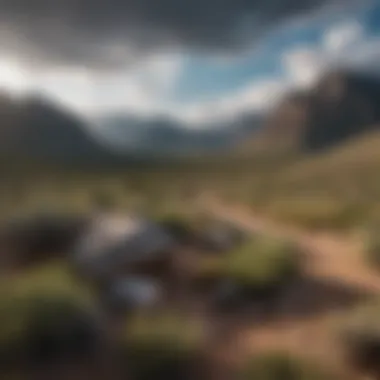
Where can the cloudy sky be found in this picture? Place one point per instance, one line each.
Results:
(195, 60)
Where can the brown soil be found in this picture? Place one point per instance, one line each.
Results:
(336, 279)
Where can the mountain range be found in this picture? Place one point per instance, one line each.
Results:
(164, 135)
(341, 105)
(35, 127)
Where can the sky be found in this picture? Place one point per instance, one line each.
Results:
(200, 62)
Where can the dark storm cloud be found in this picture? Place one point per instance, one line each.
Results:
(105, 31)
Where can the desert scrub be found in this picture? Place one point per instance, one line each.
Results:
(359, 335)
(44, 314)
(281, 366)
(164, 345)
(263, 263)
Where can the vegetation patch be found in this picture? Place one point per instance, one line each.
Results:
(314, 212)
(178, 225)
(164, 345)
(263, 263)
(44, 314)
(281, 366)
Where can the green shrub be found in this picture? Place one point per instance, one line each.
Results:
(39, 311)
(280, 366)
(180, 226)
(262, 263)
(162, 346)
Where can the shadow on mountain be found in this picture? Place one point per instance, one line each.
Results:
(342, 105)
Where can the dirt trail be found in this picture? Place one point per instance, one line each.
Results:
(329, 256)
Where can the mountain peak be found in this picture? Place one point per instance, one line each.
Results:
(342, 104)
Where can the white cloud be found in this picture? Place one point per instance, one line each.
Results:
(144, 88)
(256, 96)
(12, 76)
(141, 88)
(343, 36)
(343, 45)
(303, 65)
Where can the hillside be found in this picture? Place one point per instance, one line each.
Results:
(36, 129)
(341, 105)
(337, 188)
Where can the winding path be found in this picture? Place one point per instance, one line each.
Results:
(330, 258)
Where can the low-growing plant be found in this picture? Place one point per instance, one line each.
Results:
(281, 366)
(264, 263)
(178, 225)
(162, 346)
(44, 314)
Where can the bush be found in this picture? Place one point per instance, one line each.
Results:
(279, 366)
(178, 226)
(360, 337)
(162, 346)
(44, 315)
(262, 264)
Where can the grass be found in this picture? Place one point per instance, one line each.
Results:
(262, 263)
(260, 267)
(281, 366)
(36, 304)
(337, 189)
(314, 212)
